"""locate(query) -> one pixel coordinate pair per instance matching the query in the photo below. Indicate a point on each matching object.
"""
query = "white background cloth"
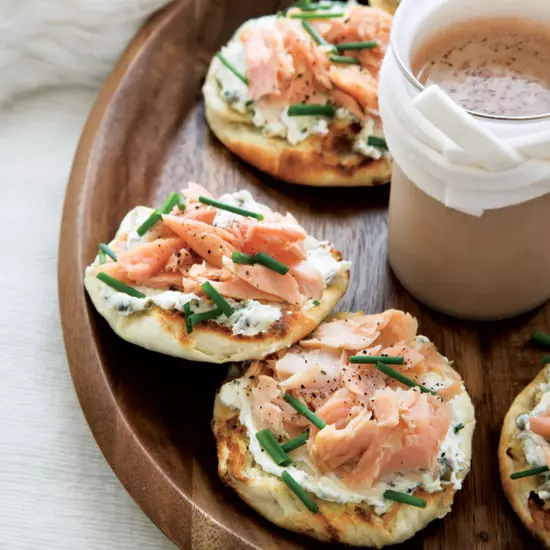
(56, 490)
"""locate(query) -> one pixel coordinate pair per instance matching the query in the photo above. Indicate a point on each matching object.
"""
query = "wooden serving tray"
(151, 414)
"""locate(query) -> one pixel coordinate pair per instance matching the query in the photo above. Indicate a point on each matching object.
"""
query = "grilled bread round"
(348, 523)
(521, 493)
(308, 163)
(164, 331)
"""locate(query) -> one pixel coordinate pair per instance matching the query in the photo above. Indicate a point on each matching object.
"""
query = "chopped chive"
(316, 303)
(272, 448)
(311, 110)
(197, 318)
(528, 473)
(541, 338)
(172, 200)
(120, 286)
(187, 312)
(458, 427)
(313, 6)
(293, 444)
(229, 208)
(106, 250)
(218, 299)
(244, 259)
(348, 46)
(299, 491)
(102, 257)
(378, 142)
(373, 359)
(386, 369)
(309, 15)
(545, 359)
(232, 68)
(304, 411)
(405, 498)
(155, 217)
(344, 59)
(271, 263)
(317, 37)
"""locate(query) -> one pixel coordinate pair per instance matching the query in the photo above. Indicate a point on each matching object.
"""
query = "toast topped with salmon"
(296, 94)
(360, 434)
(214, 280)
(524, 456)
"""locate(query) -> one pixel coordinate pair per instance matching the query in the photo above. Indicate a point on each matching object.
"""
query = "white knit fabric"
(56, 490)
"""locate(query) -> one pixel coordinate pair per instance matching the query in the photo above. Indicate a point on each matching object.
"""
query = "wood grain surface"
(151, 414)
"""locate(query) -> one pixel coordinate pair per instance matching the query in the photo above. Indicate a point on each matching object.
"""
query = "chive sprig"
(312, 15)
(300, 109)
(317, 37)
(260, 258)
(344, 60)
(387, 370)
(349, 46)
(541, 338)
(304, 411)
(295, 443)
(108, 251)
(197, 318)
(299, 491)
(378, 142)
(373, 359)
(530, 472)
(405, 498)
(218, 299)
(120, 286)
(271, 446)
(232, 68)
(230, 208)
(173, 199)
(155, 217)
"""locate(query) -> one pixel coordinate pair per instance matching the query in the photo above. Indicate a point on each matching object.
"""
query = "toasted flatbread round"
(350, 523)
(164, 331)
(388, 5)
(306, 163)
(522, 492)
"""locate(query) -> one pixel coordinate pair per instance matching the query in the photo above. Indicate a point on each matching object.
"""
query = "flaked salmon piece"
(239, 289)
(540, 425)
(180, 259)
(266, 60)
(317, 370)
(274, 238)
(396, 326)
(433, 360)
(332, 447)
(199, 212)
(337, 410)
(201, 238)
(310, 280)
(417, 413)
(267, 280)
(207, 271)
(309, 61)
(114, 269)
(162, 280)
(357, 83)
(385, 406)
(339, 97)
(149, 259)
(363, 381)
(421, 445)
(265, 411)
(448, 392)
(362, 331)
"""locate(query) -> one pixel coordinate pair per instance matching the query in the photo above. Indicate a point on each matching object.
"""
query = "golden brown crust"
(305, 163)
(164, 331)
(349, 523)
(521, 492)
